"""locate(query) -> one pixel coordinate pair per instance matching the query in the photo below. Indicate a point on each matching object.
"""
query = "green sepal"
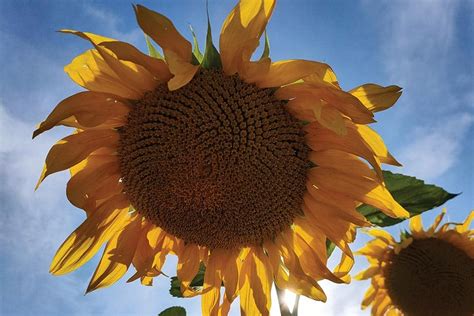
(196, 283)
(411, 193)
(330, 246)
(212, 58)
(266, 48)
(173, 311)
(197, 55)
(152, 51)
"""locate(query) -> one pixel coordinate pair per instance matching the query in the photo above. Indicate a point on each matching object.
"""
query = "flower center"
(219, 162)
(432, 277)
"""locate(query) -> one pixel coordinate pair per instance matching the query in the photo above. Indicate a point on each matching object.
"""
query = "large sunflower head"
(245, 166)
(427, 272)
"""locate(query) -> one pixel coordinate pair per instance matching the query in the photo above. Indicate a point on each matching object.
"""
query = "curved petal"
(133, 75)
(163, 32)
(288, 71)
(341, 100)
(377, 145)
(89, 70)
(117, 257)
(85, 183)
(72, 149)
(182, 70)
(87, 239)
(241, 31)
(377, 98)
(90, 109)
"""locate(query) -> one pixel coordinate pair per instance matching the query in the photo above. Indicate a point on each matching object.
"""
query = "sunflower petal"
(241, 30)
(72, 149)
(90, 109)
(89, 70)
(212, 284)
(117, 257)
(87, 239)
(377, 98)
(134, 75)
(288, 71)
(163, 32)
(183, 71)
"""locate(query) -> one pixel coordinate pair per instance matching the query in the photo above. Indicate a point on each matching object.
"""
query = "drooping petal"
(72, 149)
(87, 239)
(90, 109)
(365, 190)
(188, 265)
(117, 257)
(212, 283)
(377, 98)
(377, 145)
(241, 31)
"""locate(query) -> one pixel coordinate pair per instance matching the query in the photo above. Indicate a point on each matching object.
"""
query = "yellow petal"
(90, 71)
(382, 234)
(117, 257)
(416, 226)
(377, 98)
(163, 32)
(90, 109)
(368, 273)
(127, 52)
(374, 248)
(288, 71)
(341, 100)
(365, 190)
(241, 30)
(368, 297)
(465, 226)
(87, 239)
(188, 264)
(212, 284)
(320, 138)
(183, 71)
(377, 145)
(135, 76)
(85, 183)
(74, 148)
(436, 222)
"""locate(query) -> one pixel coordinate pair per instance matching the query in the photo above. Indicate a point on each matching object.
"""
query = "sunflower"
(247, 167)
(426, 273)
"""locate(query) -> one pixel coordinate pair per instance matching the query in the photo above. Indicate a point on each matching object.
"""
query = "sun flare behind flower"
(426, 273)
(245, 166)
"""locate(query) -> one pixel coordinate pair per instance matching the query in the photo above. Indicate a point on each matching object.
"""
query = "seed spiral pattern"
(432, 277)
(218, 162)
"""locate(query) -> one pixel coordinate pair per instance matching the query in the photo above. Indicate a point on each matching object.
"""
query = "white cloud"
(421, 49)
(32, 227)
(436, 149)
(110, 25)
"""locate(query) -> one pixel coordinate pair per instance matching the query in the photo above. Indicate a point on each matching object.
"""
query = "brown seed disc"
(432, 277)
(218, 162)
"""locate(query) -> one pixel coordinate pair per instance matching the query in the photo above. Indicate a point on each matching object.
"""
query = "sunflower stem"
(284, 308)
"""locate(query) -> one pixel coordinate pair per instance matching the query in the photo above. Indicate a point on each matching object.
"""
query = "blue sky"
(425, 47)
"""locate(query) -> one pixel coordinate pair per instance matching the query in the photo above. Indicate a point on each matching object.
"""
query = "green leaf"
(173, 311)
(152, 51)
(196, 51)
(212, 58)
(411, 193)
(197, 282)
(266, 49)
(330, 246)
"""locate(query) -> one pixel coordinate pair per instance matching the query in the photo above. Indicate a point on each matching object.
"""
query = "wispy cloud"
(32, 227)
(421, 46)
(110, 23)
